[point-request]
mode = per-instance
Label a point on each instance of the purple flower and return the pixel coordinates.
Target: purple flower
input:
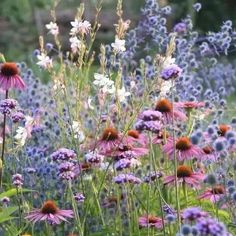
(5, 201)
(63, 154)
(126, 178)
(17, 116)
(152, 176)
(210, 226)
(197, 6)
(171, 72)
(67, 170)
(7, 105)
(180, 28)
(79, 197)
(193, 213)
(17, 180)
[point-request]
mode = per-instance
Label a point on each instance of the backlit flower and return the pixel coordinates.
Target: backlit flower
(53, 28)
(119, 45)
(44, 61)
(9, 77)
(49, 213)
(147, 221)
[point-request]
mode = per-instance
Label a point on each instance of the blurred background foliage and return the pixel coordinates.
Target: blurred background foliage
(22, 21)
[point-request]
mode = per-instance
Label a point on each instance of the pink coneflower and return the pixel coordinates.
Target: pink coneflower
(149, 221)
(136, 136)
(9, 77)
(187, 176)
(109, 141)
(190, 105)
(160, 138)
(214, 194)
(129, 151)
(166, 108)
(50, 213)
(185, 150)
(223, 129)
(209, 154)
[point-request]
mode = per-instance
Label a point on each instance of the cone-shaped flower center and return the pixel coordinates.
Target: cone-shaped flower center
(110, 134)
(218, 190)
(223, 129)
(9, 69)
(184, 171)
(152, 219)
(183, 144)
(133, 133)
(49, 207)
(208, 150)
(163, 105)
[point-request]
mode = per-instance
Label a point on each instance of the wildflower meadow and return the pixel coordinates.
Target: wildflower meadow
(135, 139)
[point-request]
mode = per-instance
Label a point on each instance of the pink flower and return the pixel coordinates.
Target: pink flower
(9, 77)
(147, 221)
(190, 105)
(187, 176)
(160, 137)
(136, 136)
(209, 154)
(214, 194)
(185, 150)
(50, 213)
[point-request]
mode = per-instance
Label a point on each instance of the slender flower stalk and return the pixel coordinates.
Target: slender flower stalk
(175, 159)
(3, 142)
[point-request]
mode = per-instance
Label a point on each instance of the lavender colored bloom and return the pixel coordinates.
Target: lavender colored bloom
(63, 154)
(94, 158)
(79, 197)
(30, 170)
(180, 28)
(7, 105)
(210, 226)
(171, 72)
(126, 178)
(67, 170)
(193, 213)
(17, 180)
(126, 163)
(197, 6)
(152, 176)
(5, 201)
(17, 116)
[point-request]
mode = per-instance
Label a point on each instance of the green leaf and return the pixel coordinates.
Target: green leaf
(6, 213)
(13, 192)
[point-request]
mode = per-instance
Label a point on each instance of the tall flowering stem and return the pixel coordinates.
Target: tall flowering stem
(175, 158)
(3, 142)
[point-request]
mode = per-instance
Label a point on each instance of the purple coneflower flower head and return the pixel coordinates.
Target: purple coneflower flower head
(210, 226)
(7, 105)
(187, 176)
(214, 194)
(17, 180)
(49, 213)
(185, 150)
(9, 77)
(171, 72)
(209, 154)
(180, 28)
(17, 116)
(79, 197)
(193, 214)
(149, 221)
(165, 107)
(63, 154)
(67, 170)
(126, 178)
(109, 141)
(136, 136)
(152, 176)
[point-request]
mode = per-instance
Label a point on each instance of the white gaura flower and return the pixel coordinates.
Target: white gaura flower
(44, 61)
(165, 88)
(82, 27)
(104, 83)
(78, 133)
(119, 45)
(53, 28)
(21, 135)
(75, 44)
(122, 94)
(90, 106)
(168, 61)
